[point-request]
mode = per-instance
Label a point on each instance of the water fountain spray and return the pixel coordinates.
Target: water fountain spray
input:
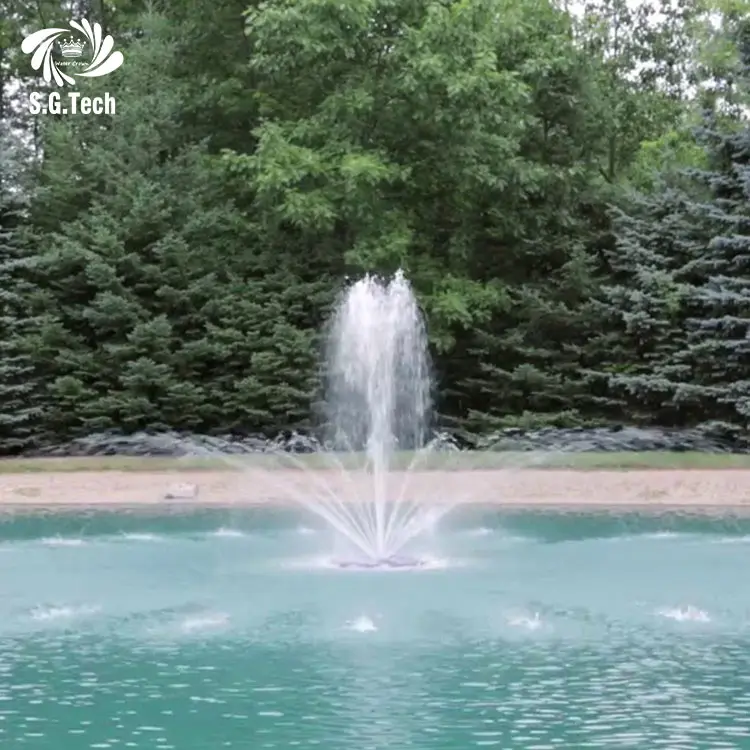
(378, 401)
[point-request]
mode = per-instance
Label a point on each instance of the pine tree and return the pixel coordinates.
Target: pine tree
(675, 345)
(19, 409)
(161, 304)
(641, 307)
(718, 351)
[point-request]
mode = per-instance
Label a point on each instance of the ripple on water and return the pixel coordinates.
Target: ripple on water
(226, 533)
(362, 624)
(595, 695)
(641, 692)
(141, 537)
(53, 613)
(684, 614)
(63, 541)
(200, 623)
(525, 621)
(639, 678)
(744, 539)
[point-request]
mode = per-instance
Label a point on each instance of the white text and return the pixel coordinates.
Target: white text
(72, 103)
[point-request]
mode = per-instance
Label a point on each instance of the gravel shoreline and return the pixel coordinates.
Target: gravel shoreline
(710, 437)
(705, 490)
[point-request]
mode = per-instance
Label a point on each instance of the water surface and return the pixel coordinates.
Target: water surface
(221, 630)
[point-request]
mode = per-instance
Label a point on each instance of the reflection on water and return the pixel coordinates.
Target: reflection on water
(544, 637)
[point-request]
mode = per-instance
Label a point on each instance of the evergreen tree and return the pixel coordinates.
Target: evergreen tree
(19, 408)
(718, 351)
(187, 249)
(161, 305)
(674, 346)
(642, 307)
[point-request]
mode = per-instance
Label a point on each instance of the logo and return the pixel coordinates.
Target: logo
(41, 46)
(71, 48)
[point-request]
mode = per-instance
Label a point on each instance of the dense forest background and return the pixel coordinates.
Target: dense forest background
(567, 186)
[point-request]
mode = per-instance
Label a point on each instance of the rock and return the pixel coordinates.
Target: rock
(181, 492)
(25, 491)
(704, 438)
(712, 437)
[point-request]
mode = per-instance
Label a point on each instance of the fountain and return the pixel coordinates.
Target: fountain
(377, 404)
(377, 411)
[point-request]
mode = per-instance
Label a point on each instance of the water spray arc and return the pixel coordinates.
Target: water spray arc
(378, 405)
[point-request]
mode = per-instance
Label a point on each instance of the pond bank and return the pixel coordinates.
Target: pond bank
(692, 490)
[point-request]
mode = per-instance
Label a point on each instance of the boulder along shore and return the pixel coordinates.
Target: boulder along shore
(707, 438)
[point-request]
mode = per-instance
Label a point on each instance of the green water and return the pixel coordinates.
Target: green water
(225, 631)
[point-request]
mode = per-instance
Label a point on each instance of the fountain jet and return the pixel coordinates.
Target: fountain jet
(378, 404)
(377, 408)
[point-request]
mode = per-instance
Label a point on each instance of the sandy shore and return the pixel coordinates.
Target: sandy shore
(695, 490)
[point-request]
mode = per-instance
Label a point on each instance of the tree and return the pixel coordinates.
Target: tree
(718, 350)
(642, 307)
(428, 136)
(18, 386)
(160, 306)
(642, 62)
(187, 250)
(679, 307)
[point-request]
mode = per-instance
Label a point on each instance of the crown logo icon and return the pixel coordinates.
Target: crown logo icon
(71, 47)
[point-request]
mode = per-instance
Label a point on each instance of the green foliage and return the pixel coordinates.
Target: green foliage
(670, 154)
(577, 252)
(19, 412)
(642, 306)
(149, 316)
(718, 352)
